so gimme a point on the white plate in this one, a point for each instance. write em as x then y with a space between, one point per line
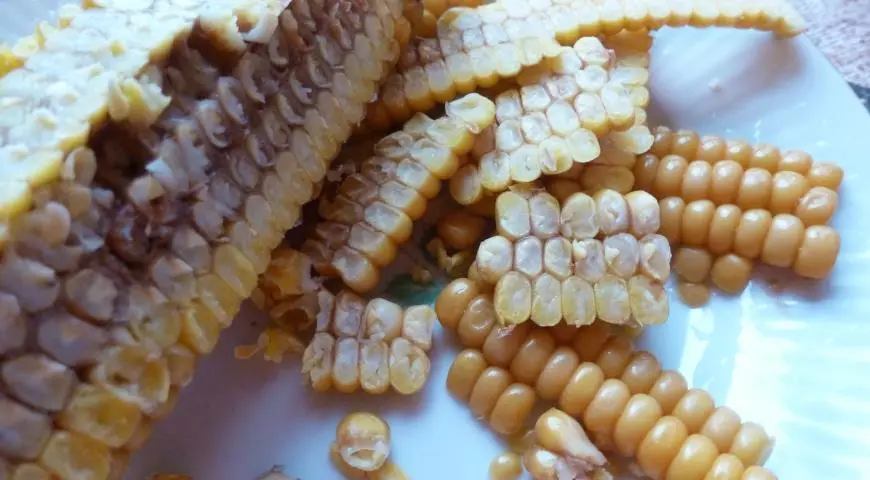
793 358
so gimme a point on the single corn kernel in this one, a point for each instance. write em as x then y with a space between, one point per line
507 466
363 441
561 434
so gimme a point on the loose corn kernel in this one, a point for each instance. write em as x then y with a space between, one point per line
363 441
506 466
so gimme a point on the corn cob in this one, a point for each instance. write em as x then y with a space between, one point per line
600 376
552 121
726 182
547 265
371 345
561 446
712 149
131 263
779 240
372 211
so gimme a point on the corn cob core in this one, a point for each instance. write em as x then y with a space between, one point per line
780 240
129 267
547 264
372 212
625 400
371 345
726 182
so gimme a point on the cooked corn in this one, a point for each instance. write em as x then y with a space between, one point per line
370 345
781 240
372 211
730 273
460 230
172 242
490 392
712 149
623 397
693 294
726 182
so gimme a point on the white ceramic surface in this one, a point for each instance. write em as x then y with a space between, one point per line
789 354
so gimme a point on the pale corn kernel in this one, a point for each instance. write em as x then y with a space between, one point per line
525 164
475 111
655 257
418 323
544 214
555 156
495 171
578 217
345 368
374 369
494 258
513 298
589 263
621 254
513 218
362 440
466 186
409 367
101 416
636 140
546 300
612 211
317 361
592 115
583 145
578 301
649 300
612 302
644 211
357 271
558 257
69 455
529 256
383 319
561 434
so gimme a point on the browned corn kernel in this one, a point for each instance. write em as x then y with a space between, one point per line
693 294
362 440
693 264
506 466
460 229
490 392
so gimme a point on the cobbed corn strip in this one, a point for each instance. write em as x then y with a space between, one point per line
547 264
371 345
553 121
712 149
127 269
781 240
727 182
480 45
62 91
373 211
624 399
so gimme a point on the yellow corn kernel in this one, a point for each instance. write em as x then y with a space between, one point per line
362 440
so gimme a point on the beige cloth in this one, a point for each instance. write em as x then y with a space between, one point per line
841 29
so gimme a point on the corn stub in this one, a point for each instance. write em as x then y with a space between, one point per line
380 203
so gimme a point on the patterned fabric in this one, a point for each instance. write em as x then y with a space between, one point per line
841 29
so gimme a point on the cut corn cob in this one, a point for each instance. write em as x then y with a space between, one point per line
779 240
621 395
138 249
553 120
727 182
371 345
547 265
372 211
477 46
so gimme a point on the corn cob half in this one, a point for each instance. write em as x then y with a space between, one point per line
141 238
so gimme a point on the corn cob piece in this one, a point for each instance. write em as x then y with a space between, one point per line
778 240
560 446
727 182
553 120
712 149
547 265
128 267
372 211
370 345
619 394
